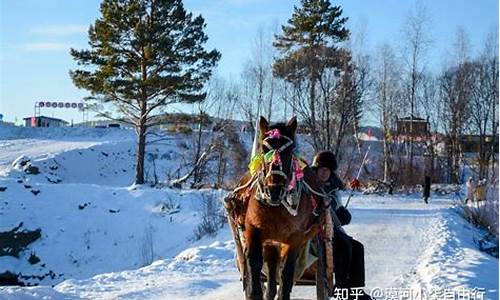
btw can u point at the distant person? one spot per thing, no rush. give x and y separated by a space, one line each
471 189
391 187
355 184
426 193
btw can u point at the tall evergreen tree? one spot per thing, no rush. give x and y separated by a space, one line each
143 56
312 59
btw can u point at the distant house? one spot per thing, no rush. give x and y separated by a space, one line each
471 143
419 126
43 121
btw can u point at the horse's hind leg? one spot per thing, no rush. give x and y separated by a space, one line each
272 259
254 262
287 275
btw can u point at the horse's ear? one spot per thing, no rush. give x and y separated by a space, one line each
292 124
263 125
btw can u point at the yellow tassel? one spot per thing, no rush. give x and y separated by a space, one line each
255 164
302 162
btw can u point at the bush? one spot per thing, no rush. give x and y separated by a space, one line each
484 214
213 217
180 128
147 250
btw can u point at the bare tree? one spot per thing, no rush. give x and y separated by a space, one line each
261 86
387 94
456 87
431 109
416 43
484 100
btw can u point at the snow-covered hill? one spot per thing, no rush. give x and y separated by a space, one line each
99 235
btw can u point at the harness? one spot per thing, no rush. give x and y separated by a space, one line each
290 195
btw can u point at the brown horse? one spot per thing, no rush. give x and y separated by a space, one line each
274 234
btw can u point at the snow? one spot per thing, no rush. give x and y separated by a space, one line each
96 228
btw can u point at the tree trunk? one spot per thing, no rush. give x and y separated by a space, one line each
386 158
141 150
312 107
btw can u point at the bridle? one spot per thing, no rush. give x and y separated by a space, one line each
290 192
261 167
274 155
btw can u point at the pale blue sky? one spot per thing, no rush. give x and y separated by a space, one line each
36 35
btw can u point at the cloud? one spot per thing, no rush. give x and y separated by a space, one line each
46 46
59 30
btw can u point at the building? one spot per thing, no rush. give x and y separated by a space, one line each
471 143
419 126
42 121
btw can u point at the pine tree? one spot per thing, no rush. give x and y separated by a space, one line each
310 47
310 39
143 56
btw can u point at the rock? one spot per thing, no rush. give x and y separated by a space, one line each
52 178
3 188
35 192
82 206
30 169
14 241
20 162
33 259
9 278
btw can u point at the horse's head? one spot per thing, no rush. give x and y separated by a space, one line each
277 145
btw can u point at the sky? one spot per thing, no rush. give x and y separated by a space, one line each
35 38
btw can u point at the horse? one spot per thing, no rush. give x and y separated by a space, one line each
274 231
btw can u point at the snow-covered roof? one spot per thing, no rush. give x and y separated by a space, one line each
47 118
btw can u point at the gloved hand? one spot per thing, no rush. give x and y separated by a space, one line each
344 215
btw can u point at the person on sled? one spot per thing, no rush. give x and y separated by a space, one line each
348 253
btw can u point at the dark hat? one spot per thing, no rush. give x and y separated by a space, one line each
325 159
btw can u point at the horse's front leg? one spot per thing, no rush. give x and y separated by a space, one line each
254 262
271 255
287 275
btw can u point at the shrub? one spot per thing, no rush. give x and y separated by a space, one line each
213 217
147 251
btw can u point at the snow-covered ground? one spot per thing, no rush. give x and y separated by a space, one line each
98 233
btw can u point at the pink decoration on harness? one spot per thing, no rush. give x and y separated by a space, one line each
276 159
298 174
298 170
274 134
292 183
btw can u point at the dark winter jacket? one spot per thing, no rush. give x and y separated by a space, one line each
330 188
427 187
